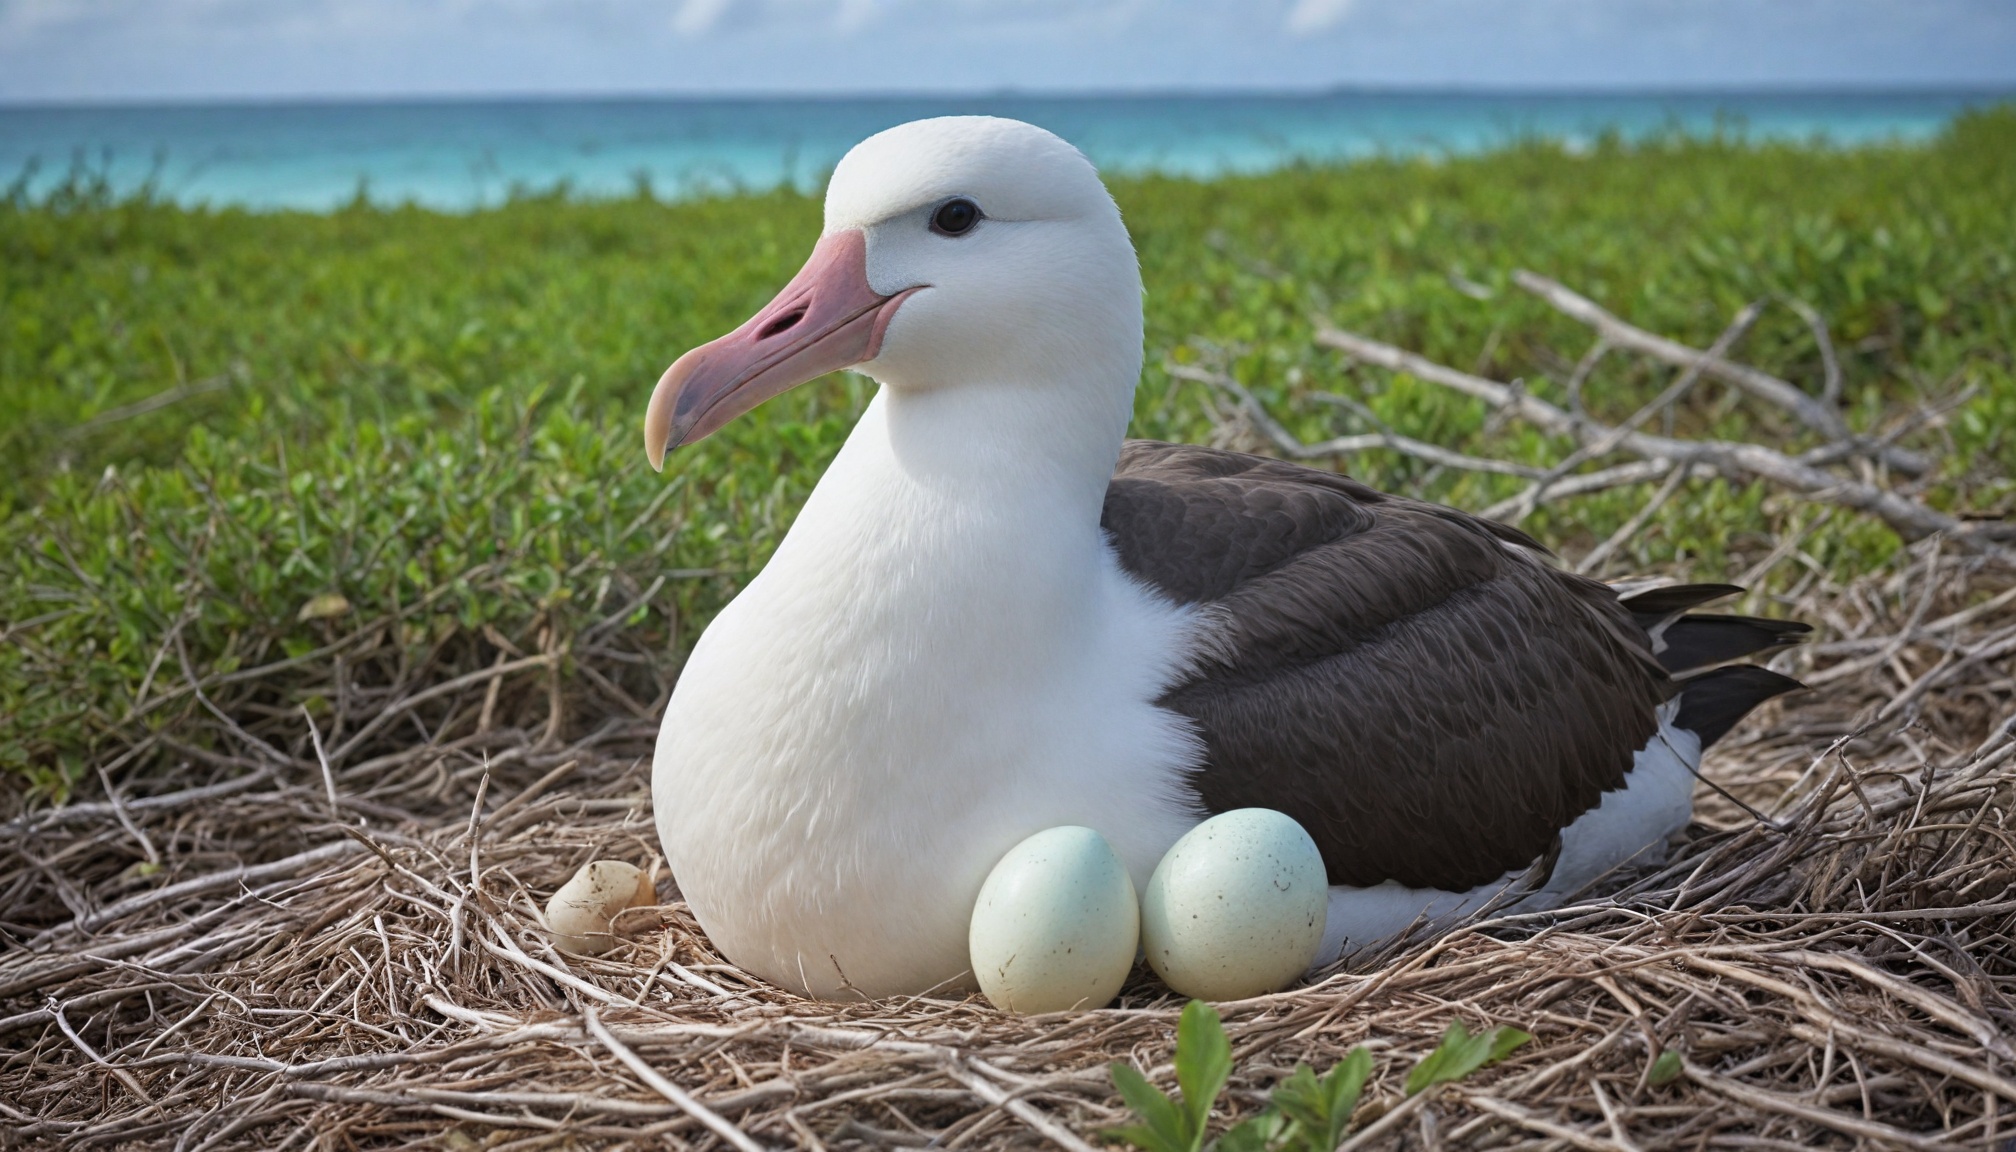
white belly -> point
(844, 855)
(1631, 825)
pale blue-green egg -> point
(1237, 906)
(1056, 924)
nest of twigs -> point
(267, 951)
(305, 975)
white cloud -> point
(698, 17)
(854, 15)
(1311, 16)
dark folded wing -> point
(1411, 683)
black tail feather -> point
(1683, 643)
(1655, 604)
(1692, 642)
(1712, 703)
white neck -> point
(986, 442)
(956, 534)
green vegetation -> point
(213, 418)
(1460, 1054)
(1305, 1112)
(1665, 1069)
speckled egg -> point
(579, 914)
(1056, 924)
(1236, 908)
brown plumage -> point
(1415, 685)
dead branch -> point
(1286, 441)
(1818, 416)
(1739, 462)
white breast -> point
(919, 679)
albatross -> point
(996, 615)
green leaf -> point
(1164, 1127)
(1665, 1069)
(1341, 1089)
(1504, 1042)
(1460, 1054)
(1447, 1061)
(1203, 1062)
(1256, 1134)
(1141, 1136)
(1321, 1109)
(1300, 1097)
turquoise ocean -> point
(459, 155)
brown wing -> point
(1432, 704)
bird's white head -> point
(960, 251)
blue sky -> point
(65, 50)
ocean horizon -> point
(463, 154)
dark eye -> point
(955, 217)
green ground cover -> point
(234, 438)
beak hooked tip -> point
(659, 432)
(654, 448)
(657, 446)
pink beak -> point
(826, 319)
